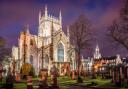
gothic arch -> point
(31, 59)
(60, 52)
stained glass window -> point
(31, 59)
(60, 53)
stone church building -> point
(50, 46)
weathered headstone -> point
(17, 77)
(43, 78)
(54, 75)
(9, 81)
(29, 82)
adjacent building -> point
(87, 64)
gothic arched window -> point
(31, 59)
(60, 53)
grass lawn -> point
(65, 82)
(20, 86)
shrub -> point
(27, 69)
(79, 79)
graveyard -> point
(66, 83)
(63, 44)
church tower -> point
(50, 46)
(45, 22)
(97, 53)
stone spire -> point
(68, 33)
(60, 17)
(39, 16)
(97, 48)
(27, 28)
(46, 12)
(52, 29)
(97, 54)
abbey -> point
(50, 46)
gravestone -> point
(54, 75)
(73, 75)
(17, 77)
(9, 80)
(29, 82)
(43, 79)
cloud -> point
(17, 13)
(112, 13)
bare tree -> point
(81, 37)
(118, 31)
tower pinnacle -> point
(39, 16)
(97, 54)
(46, 12)
(97, 47)
(60, 17)
(68, 34)
(27, 28)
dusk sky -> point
(15, 14)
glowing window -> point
(60, 53)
